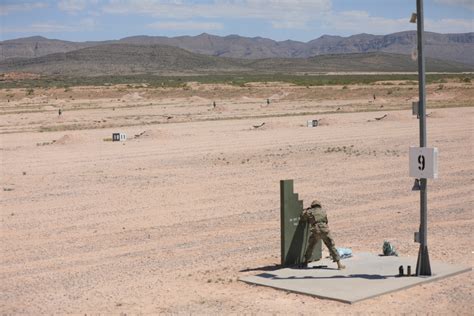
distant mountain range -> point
(126, 59)
(450, 47)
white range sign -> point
(423, 162)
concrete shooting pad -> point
(366, 276)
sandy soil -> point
(167, 221)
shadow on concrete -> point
(319, 267)
(279, 266)
(265, 268)
(350, 276)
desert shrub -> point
(307, 80)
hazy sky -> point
(303, 20)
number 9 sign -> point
(423, 162)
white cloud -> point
(73, 6)
(449, 25)
(461, 3)
(290, 24)
(353, 22)
(87, 24)
(218, 8)
(188, 25)
(281, 13)
(38, 28)
(6, 9)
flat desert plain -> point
(168, 220)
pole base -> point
(423, 263)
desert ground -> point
(167, 221)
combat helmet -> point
(315, 203)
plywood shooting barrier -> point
(294, 233)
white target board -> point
(423, 162)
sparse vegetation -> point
(46, 143)
(232, 79)
(352, 151)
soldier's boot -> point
(340, 266)
(304, 264)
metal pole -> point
(423, 264)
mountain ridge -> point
(453, 47)
(126, 59)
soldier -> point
(317, 218)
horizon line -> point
(224, 36)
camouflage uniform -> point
(318, 220)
